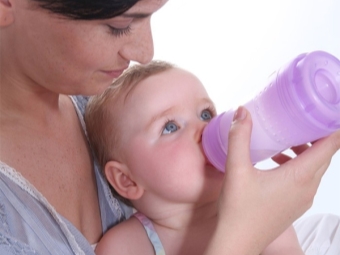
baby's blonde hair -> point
(100, 118)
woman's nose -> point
(139, 47)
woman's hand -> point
(256, 206)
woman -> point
(51, 48)
(53, 199)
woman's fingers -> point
(282, 158)
(300, 148)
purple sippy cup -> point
(301, 104)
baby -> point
(146, 132)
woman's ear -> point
(119, 176)
(6, 13)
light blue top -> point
(30, 225)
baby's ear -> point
(119, 176)
(6, 13)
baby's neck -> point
(183, 229)
(187, 232)
(182, 217)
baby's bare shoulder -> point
(128, 237)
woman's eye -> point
(206, 115)
(169, 128)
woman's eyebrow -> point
(136, 15)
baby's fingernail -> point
(240, 114)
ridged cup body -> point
(300, 104)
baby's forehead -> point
(169, 87)
(134, 88)
(173, 84)
(170, 79)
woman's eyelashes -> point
(119, 31)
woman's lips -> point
(115, 73)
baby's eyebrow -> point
(160, 115)
(210, 102)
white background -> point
(233, 46)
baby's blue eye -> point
(169, 128)
(206, 115)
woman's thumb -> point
(239, 141)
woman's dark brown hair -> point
(86, 9)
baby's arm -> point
(286, 243)
(128, 237)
